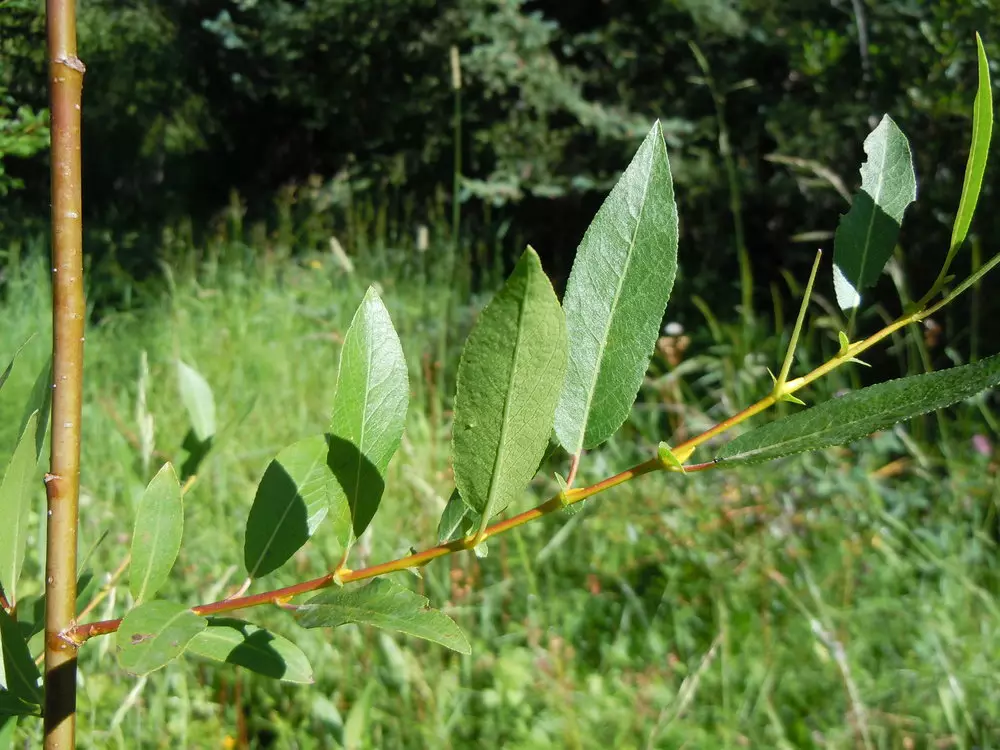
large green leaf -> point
(369, 409)
(196, 395)
(19, 677)
(296, 493)
(15, 507)
(615, 298)
(982, 130)
(861, 413)
(246, 645)
(867, 234)
(155, 633)
(159, 525)
(509, 377)
(384, 604)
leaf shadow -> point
(255, 652)
(358, 477)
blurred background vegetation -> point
(251, 165)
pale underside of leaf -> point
(616, 296)
(859, 414)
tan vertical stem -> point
(62, 483)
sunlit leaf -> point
(39, 400)
(296, 493)
(156, 541)
(858, 414)
(196, 395)
(975, 168)
(509, 378)
(615, 298)
(369, 409)
(384, 604)
(154, 634)
(867, 234)
(15, 508)
(246, 645)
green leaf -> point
(615, 298)
(668, 459)
(40, 400)
(8, 725)
(10, 366)
(867, 234)
(358, 719)
(15, 508)
(387, 605)
(20, 693)
(296, 493)
(246, 645)
(509, 377)
(454, 518)
(861, 413)
(155, 633)
(975, 168)
(369, 409)
(156, 541)
(196, 395)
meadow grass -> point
(844, 599)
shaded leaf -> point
(154, 634)
(196, 395)
(975, 168)
(20, 693)
(455, 518)
(615, 298)
(861, 413)
(8, 725)
(15, 508)
(387, 605)
(369, 408)
(867, 234)
(296, 493)
(10, 366)
(509, 377)
(156, 541)
(246, 645)
(39, 400)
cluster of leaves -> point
(530, 367)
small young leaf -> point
(196, 394)
(668, 459)
(295, 494)
(156, 541)
(615, 298)
(246, 645)
(975, 168)
(866, 235)
(387, 605)
(454, 518)
(861, 413)
(19, 676)
(154, 634)
(15, 507)
(369, 409)
(509, 377)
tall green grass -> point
(845, 599)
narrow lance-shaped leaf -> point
(156, 541)
(40, 400)
(15, 507)
(387, 605)
(296, 493)
(196, 395)
(10, 365)
(246, 645)
(369, 409)
(982, 130)
(867, 234)
(19, 676)
(154, 634)
(615, 298)
(509, 377)
(858, 414)
(454, 519)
